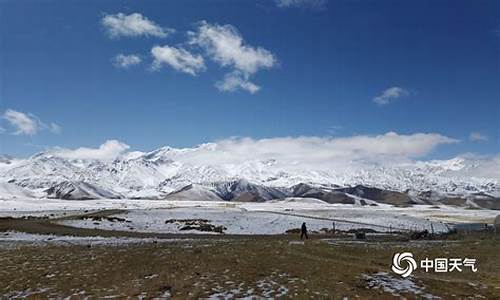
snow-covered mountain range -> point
(177, 173)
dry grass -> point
(265, 266)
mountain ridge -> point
(156, 174)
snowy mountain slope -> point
(79, 191)
(157, 173)
(10, 190)
(244, 191)
(194, 192)
(328, 195)
(5, 159)
(379, 195)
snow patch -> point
(398, 287)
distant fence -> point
(338, 221)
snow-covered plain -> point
(242, 221)
(12, 238)
(236, 221)
(272, 217)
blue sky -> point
(321, 69)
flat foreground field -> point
(223, 267)
(189, 250)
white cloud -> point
(107, 151)
(132, 25)
(225, 45)
(54, 128)
(177, 58)
(319, 153)
(126, 61)
(26, 123)
(235, 81)
(477, 137)
(390, 95)
(23, 123)
(316, 4)
(307, 152)
(288, 153)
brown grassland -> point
(266, 266)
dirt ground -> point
(225, 267)
(271, 267)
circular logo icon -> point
(403, 264)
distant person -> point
(303, 230)
(333, 227)
(497, 224)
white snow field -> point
(272, 217)
(243, 221)
(13, 238)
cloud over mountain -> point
(307, 152)
(323, 152)
(109, 150)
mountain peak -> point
(167, 169)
